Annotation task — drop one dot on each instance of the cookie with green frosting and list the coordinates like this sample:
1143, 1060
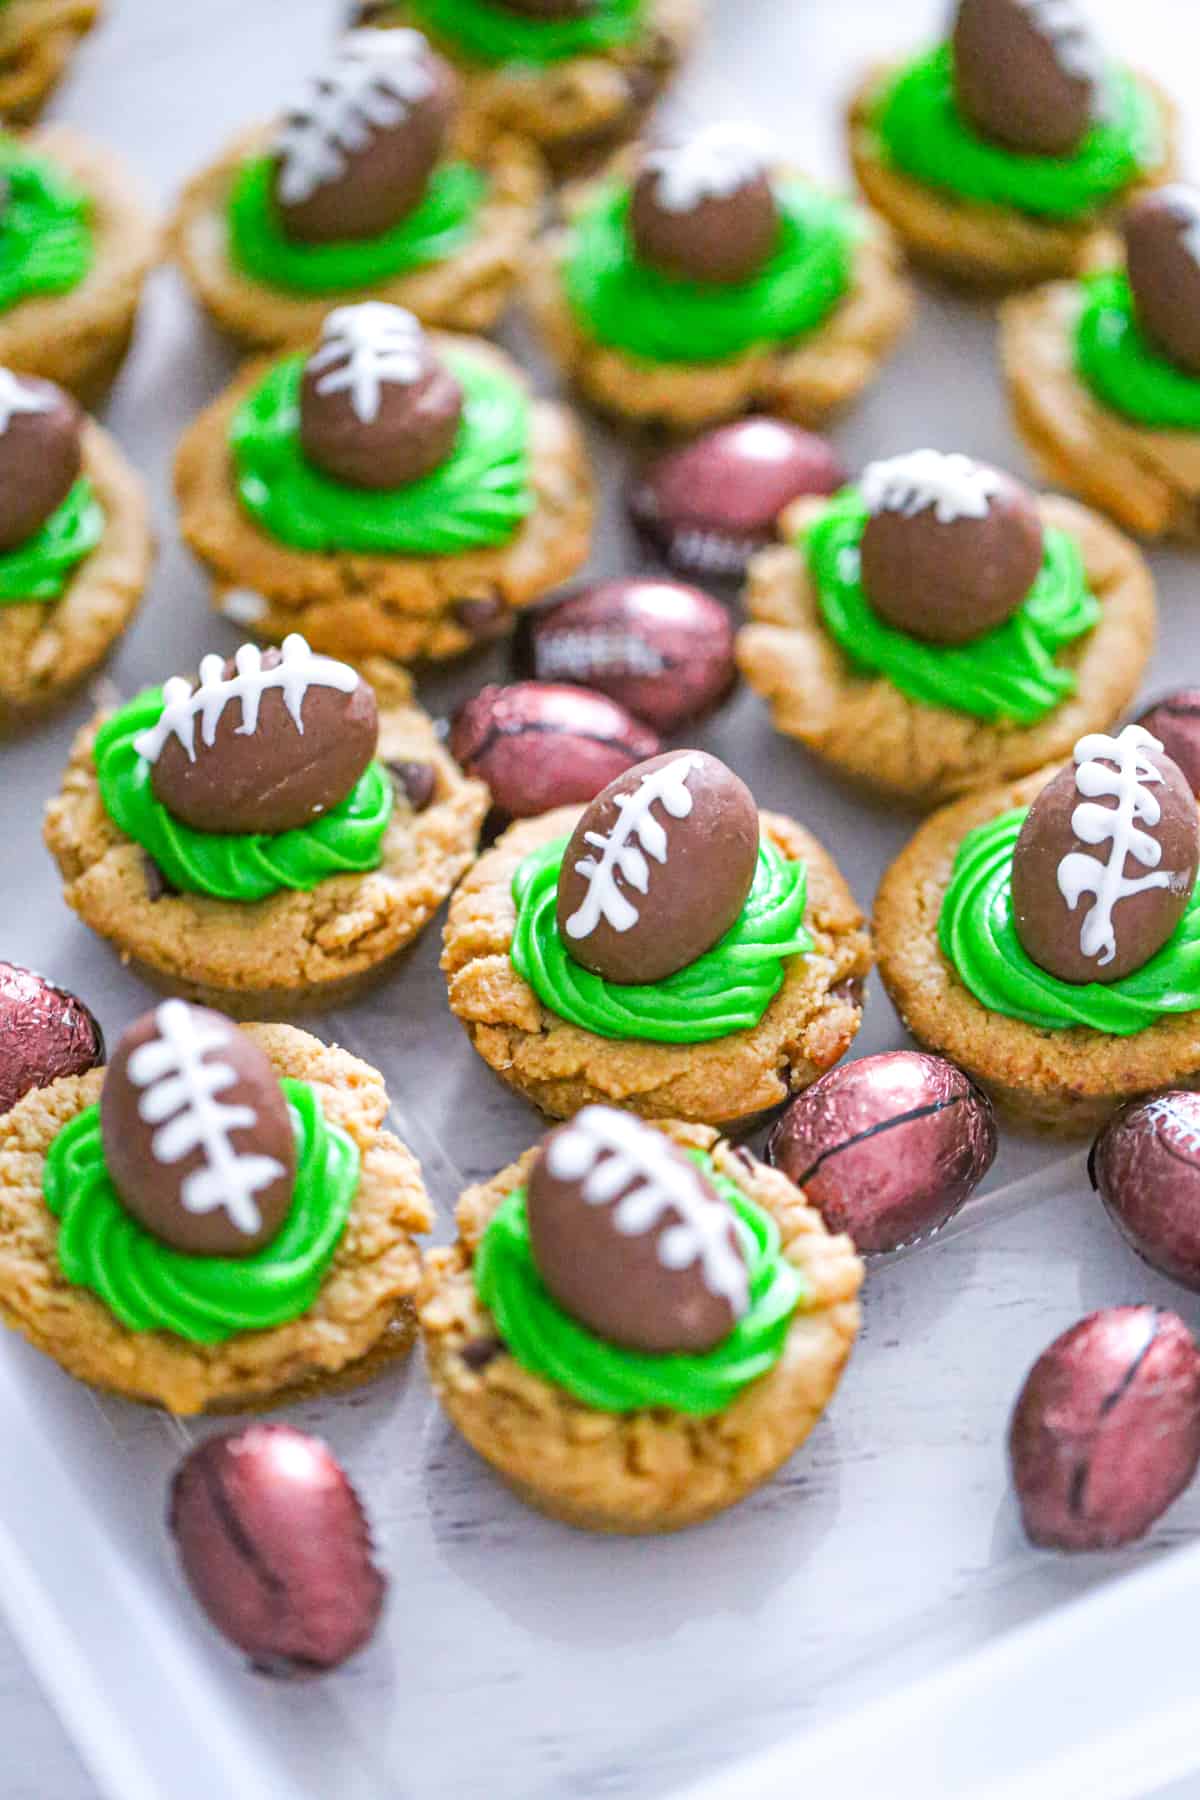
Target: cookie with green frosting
494, 33
50, 516
47, 241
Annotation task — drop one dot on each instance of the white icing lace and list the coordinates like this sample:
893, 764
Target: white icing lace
298, 671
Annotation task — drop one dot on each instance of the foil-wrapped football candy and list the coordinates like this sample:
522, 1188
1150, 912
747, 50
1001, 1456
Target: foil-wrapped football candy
539, 745
711, 505
1106, 1430
276, 1548
1145, 1165
1175, 722
659, 648
887, 1148
45, 1032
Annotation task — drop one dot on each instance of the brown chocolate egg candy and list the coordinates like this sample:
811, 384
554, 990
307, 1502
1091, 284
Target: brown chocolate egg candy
1145, 1165
887, 1148
378, 408
41, 453
1175, 722
45, 1032
266, 742
1027, 73
951, 547
197, 1134
1106, 860
1106, 1431
538, 745
632, 1239
276, 1548
355, 152
711, 505
658, 868
661, 649
1162, 250
704, 210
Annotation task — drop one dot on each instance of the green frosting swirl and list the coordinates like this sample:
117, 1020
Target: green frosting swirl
548, 1342
444, 222
491, 34
1008, 673
348, 838
46, 244
39, 568
921, 131
1121, 367
205, 1299
978, 938
476, 500
621, 302
727, 989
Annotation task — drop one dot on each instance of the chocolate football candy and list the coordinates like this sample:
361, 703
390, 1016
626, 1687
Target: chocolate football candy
357, 147
1027, 73
1162, 250
197, 1135
267, 742
378, 408
951, 547
276, 1548
1106, 860
1175, 722
711, 505
887, 1148
41, 453
45, 1032
538, 745
632, 1239
658, 868
1145, 1165
1106, 1431
663, 650
704, 210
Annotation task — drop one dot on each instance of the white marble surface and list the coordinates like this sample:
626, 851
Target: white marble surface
521, 1660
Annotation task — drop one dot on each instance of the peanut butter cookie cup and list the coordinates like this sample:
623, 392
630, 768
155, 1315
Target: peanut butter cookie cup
37, 41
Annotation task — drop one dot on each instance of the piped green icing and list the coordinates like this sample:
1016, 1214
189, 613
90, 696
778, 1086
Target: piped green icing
1120, 366
346, 839
492, 34
727, 989
476, 500
40, 568
921, 131
445, 222
622, 303
46, 244
549, 1343
978, 938
148, 1286
1008, 674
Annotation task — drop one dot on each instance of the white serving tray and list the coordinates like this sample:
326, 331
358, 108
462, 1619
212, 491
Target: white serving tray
878, 1598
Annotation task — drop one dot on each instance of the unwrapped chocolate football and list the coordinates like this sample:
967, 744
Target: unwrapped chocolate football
951, 546
887, 1148
1145, 1165
632, 1239
276, 1547
41, 453
1175, 722
538, 744
658, 868
704, 209
378, 407
1106, 859
267, 742
1027, 73
1162, 250
198, 1139
661, 649
710, 505
45, 1032
357, 147
1106, 1431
